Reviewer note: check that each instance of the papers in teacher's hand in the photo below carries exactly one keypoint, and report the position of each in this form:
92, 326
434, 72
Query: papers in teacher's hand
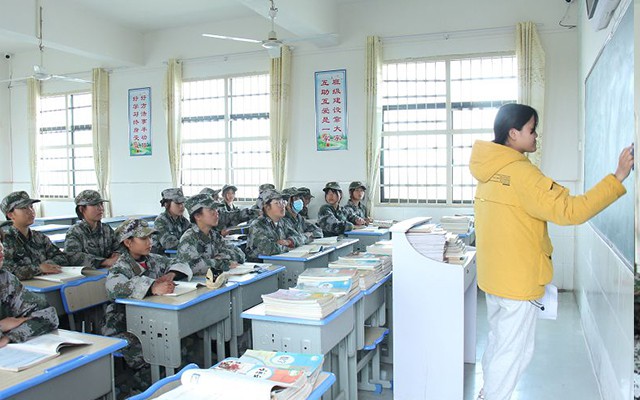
19, 356
67, 274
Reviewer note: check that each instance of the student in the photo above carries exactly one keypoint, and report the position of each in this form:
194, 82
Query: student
136, 275
513, 202
306, 199
292, 216
171, 224
27, 253
230, 214
23, 314
228, 197
89, 242
201, 246
270, 234
333, 219
215, 194
355, 203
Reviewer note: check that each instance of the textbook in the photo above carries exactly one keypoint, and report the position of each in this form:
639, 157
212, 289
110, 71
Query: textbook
304, 250
67, 274
311, 363
19, 356
343, 283
299, 304
325, 240
184, 287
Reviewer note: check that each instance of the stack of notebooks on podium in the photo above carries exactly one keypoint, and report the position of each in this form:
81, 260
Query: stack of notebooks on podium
457, 223
372, 267
343, 283
455, 249
383, 247
299, 304
428, 240
255, 375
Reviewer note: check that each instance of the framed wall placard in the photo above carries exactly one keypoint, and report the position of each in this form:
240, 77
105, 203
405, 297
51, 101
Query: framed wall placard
140, 122
331, 110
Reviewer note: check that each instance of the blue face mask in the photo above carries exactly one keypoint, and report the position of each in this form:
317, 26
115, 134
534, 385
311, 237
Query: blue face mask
297, 205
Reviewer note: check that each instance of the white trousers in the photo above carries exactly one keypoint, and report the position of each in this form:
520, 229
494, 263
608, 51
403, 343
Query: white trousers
510, 344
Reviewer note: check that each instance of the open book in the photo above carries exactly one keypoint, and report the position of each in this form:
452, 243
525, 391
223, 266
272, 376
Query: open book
18, 356
184, 287
303, 251
67, 274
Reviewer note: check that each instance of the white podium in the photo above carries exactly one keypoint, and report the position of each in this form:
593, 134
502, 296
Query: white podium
434, 311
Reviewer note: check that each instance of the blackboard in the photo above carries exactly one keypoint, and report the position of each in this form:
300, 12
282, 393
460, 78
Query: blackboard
609, 127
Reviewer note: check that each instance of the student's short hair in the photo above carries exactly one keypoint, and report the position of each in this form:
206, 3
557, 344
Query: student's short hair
79, 212
338, 192
166, 203
192, 217
510, 116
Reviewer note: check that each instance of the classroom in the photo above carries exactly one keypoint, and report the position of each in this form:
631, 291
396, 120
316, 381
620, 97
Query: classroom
134, 48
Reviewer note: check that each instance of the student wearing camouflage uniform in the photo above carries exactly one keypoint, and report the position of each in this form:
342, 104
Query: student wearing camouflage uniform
333, 219
292, 216
135, 275
89, 242
27, 253
22, 313
215, 194
230, 214
306, 199
201, 246
270, 234
171, 224
355, 204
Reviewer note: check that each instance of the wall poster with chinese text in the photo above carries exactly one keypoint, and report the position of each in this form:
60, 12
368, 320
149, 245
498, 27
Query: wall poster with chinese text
331, 110
140, 122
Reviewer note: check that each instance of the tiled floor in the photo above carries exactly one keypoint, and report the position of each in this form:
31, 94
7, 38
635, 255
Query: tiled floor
560, 368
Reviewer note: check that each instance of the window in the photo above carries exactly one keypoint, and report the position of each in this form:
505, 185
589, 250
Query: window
432, 112
226, 134
65, 146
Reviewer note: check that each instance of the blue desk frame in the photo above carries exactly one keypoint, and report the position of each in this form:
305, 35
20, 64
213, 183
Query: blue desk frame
368, 237
342, 248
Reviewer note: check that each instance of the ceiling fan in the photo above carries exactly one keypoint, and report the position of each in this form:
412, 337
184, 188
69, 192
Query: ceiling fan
272, 43
39, 72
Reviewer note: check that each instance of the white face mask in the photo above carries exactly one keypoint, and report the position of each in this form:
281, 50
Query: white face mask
297, 205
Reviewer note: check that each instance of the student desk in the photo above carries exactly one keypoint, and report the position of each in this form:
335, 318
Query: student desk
51, 229
160, 322
246, 295
62, 220
52, 291
324, 382
297, 265
335, 333
115, 221
341, 248
79, 372
58, 239
368, 237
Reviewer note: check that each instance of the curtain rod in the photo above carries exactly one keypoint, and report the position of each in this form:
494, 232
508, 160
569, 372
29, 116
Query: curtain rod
446, 35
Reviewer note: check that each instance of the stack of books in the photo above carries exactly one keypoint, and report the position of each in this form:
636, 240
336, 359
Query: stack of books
343, 283
299, 304
383, 247
455, 249
431, 245
379, 266
383, 223
457, 223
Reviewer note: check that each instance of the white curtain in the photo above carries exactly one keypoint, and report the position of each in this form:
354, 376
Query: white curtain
33, 99
373, 116
531, 77
279, 115
173, 97
100, 110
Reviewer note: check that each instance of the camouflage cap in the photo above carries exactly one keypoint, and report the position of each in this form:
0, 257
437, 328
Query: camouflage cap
357, 184
332, 185
268, 195
19, 199
305, 191
290, 192
174, 194
200, 200
266, 186
215, 194
89, 198
133, 227
229, 187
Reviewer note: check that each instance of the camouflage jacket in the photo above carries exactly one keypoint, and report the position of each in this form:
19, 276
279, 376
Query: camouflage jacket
264, 233
202, 252
232, 217
304, 212
303, 226
169, 230
90, 248
335, 222
128, 279
16, 301
23, 255
359, 210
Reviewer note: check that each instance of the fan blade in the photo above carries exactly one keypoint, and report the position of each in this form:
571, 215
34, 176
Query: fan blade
231, 38
70, 79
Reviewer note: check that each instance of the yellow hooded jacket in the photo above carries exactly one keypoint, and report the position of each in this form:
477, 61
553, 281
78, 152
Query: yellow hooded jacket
513, 202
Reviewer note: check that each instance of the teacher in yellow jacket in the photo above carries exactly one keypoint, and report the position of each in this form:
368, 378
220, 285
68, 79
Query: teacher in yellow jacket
513, 202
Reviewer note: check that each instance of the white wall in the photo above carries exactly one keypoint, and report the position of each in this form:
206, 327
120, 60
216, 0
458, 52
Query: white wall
604, 285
